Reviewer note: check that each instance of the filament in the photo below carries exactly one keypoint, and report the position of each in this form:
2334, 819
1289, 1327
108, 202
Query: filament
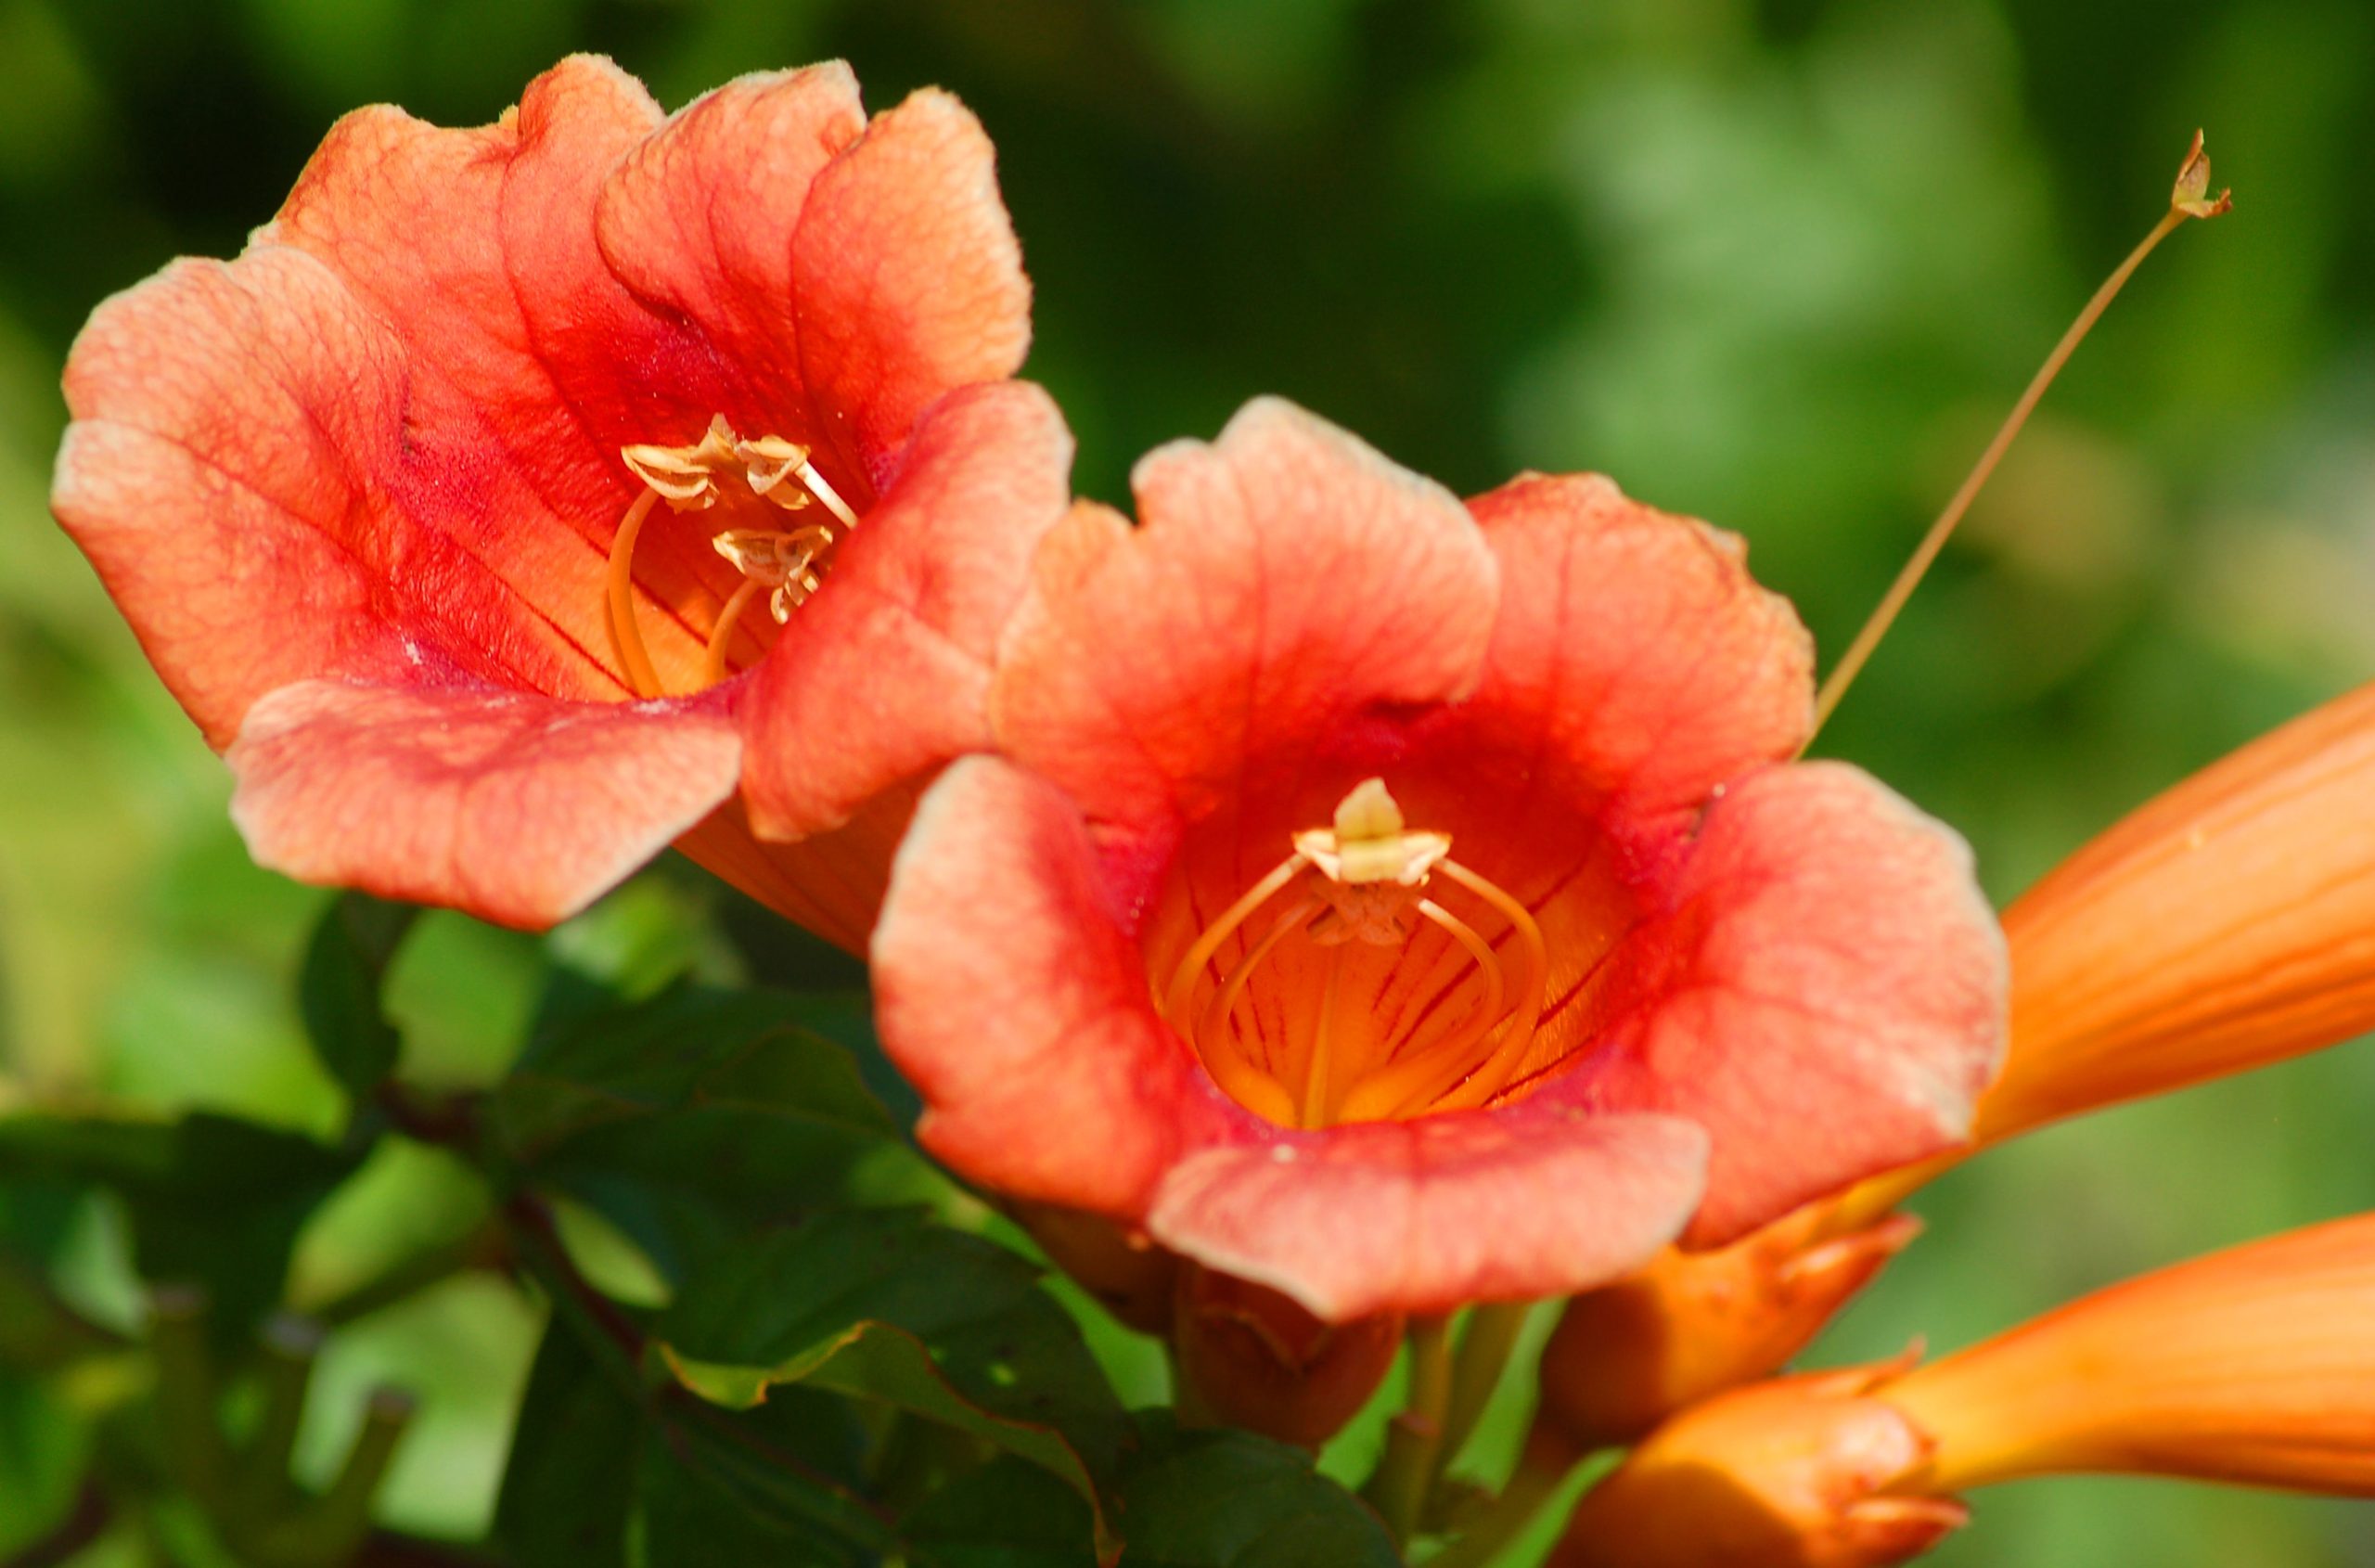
1497, 1069
624, 628
1215, 1022
1407, 1086
1183, 979
1317, 1070
825, 492
713, 660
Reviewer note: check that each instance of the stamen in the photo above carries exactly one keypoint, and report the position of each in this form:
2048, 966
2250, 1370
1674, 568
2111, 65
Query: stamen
1494, 1074
1411, 1084
825, 492
713, 658
1211, 1028
625, 629
2188, 199
1183, 979
1317, 1070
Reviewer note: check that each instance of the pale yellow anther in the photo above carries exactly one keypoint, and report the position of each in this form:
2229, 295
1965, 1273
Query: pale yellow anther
686, 477
784, 561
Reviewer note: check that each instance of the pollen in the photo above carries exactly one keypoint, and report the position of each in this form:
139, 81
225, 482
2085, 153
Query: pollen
752, 480
1367, 879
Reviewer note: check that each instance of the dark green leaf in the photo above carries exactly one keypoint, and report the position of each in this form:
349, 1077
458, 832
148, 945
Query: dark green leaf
1223, 1499
687, 1049
594, 1466
1007, 1514
695, 1117
883, 1306
569, 1485
339, 990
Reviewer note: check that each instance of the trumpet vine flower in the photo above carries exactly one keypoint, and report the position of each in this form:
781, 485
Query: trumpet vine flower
1397, 904
523, 498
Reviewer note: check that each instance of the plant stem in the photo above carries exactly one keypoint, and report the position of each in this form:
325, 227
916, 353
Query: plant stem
1484, 1345
1406, 1473
1842, 675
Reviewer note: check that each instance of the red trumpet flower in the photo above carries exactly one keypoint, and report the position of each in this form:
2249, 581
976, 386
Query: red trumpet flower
1400, 903
520, 492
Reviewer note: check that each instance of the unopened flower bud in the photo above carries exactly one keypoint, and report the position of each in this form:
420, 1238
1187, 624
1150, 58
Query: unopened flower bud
1790, 1474
1253, 1358
1691, 1325
2191, 193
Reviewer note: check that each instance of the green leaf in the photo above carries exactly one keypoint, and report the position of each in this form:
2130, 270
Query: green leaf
338, 992
881, 1305
1216, 1499
569, 1485
692, 1118
1006, 1515
600, 1476
212, 1200
690, 1047
1224, 1499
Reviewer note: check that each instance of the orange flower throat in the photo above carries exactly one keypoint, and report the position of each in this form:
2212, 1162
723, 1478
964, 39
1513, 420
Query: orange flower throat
1366, 878
784, 561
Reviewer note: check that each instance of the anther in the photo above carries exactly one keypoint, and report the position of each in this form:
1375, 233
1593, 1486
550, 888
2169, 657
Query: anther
783, 560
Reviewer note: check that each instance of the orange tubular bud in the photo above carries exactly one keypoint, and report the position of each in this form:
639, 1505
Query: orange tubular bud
2229, 925
1628, 1355
1788, 1474
1249, 1356
2254, 1366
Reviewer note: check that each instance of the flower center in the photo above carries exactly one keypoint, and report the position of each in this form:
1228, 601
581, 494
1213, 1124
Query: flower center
783, 560
1366, 878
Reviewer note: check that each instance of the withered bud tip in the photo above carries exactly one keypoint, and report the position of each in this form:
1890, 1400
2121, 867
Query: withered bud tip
2191, 194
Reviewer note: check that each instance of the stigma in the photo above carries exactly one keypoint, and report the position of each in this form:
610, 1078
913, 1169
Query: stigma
784, 559
1366, 878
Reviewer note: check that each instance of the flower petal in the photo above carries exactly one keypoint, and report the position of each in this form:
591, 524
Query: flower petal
1286, 580
478, 246
272, 491
1822, 990
890, 674
1427, 1216
699, 222
1007, 993
1633, 651
906, 277
518, 809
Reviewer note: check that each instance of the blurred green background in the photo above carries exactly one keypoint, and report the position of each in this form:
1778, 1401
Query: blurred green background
1777, 265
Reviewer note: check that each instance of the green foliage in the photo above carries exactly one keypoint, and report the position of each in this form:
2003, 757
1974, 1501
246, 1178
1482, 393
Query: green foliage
338, 993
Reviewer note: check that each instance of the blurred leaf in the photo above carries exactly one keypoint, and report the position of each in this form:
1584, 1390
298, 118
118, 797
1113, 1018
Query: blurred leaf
346, 963
38, 1331
883, 1305
212, 1200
